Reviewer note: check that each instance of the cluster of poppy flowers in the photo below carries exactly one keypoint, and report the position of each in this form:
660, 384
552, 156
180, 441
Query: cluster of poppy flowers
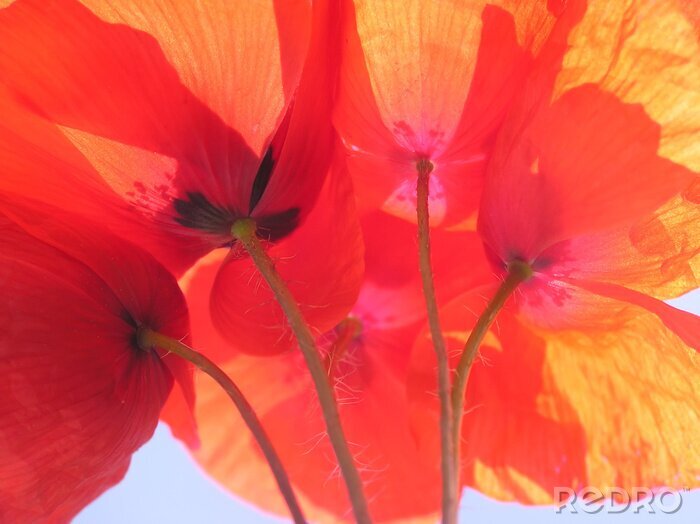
428, 241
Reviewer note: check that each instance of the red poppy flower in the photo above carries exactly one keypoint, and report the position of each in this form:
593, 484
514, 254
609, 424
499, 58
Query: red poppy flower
587, 378
185, 143
78, 394
321, 261
167, 135
573, 127
603, 225
562, 209
434, 80
367, 356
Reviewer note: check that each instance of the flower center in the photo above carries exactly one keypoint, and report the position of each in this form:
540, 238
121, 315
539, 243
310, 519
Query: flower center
521, 269
196, 212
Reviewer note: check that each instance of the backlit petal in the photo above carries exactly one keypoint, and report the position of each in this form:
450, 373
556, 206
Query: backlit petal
626, 48
243, 60
177, 132
432, 80
520, 439
368, 376
659, 255
636, 391
586, 163
310, 140
604, 406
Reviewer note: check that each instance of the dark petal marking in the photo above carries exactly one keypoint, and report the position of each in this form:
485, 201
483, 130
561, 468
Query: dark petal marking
196, 212
262, 177
269, 161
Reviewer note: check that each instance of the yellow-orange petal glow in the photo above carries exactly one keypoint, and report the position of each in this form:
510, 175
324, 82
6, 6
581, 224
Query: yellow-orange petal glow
635, 390
645, 52
516, 426
615, 405
658, 256
242, 59
432, 79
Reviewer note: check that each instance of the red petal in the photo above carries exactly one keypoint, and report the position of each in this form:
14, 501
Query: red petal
310, 140
39, 162
128, 100
685, 325
321, 263
78, 396
369, 381
115, 82
127, 188
399, 482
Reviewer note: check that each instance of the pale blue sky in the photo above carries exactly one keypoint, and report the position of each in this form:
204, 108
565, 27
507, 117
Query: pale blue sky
165, 485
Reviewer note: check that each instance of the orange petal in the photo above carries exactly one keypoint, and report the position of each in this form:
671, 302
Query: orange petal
430, 80
584, 164
658, 256
601, 406
520, 439
243, 60
685, 325
625, 49
419, 57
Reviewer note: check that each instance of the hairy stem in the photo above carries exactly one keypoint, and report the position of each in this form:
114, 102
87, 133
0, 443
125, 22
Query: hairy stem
450, 478
518, 272
244, 231
148, 339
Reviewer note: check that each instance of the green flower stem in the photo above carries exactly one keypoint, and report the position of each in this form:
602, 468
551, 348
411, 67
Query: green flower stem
450, 479
244, 231
518, 272
148, 339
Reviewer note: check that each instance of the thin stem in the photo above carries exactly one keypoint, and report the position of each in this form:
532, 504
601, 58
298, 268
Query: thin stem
518, 272
148, 339
450, 479
244, 231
